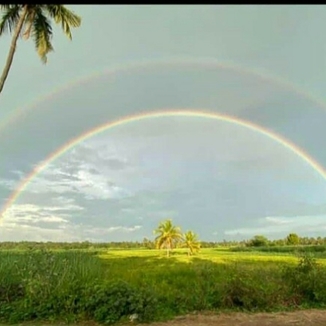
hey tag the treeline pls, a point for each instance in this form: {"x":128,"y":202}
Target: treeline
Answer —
{"x":84,"y":245}
{"x":291,"y":240}
{"x":257,"y":241}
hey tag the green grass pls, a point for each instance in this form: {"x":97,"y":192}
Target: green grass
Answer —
{"x":108,"y":286}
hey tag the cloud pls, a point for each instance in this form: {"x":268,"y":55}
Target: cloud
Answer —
{"x":116,"y":164}
{"x":94,"y":152}
{"x":204,"y":174}
{"x":25,"y":229}
{"x":104,"y":231}
{"x":30,"y":213}
{"x":88,"y":182}
{"x":56,"y":223}
{"x":278,"y":220}
{"x":9,"y":184}
{"x":26,"y":232}
{"x":282,"y":226}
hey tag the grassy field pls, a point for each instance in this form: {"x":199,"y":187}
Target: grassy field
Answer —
{"x":109,"y":286}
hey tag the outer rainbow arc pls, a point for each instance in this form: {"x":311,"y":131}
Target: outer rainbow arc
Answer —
{"x":160,"y":114}
{"x":184,"y":61}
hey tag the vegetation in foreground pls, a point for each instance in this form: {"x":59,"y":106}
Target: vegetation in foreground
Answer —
{"x":73,"y":286}
{"x":48,"y":283}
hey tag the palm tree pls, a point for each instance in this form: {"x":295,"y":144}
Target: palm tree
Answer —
{"x":35,"y":20}
{"x":168,"y":236}
{"x":190,"y":241}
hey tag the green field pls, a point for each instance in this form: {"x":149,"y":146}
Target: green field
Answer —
{"x":108,"y":286}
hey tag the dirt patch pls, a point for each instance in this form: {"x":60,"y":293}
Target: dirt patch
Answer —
{"x":297,"y":318}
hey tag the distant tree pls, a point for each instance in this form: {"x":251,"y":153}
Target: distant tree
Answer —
{"x":292,"y":239}
{"x":258,"y":241}
{"x":168,"y":236}
{"x":304,"y":241}
{"x":319,"y":240}
{"x":36,"y":19}
{"x":148,"y":243}
{"x":145,"y":242}
{"x":190,"y":241}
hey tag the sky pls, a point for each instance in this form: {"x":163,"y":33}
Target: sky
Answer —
{"x":259,"y":64}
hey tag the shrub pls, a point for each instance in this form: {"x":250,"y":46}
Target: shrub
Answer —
{"x":306,"y":282}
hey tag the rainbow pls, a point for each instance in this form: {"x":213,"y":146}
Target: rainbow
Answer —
{"x":204,"y":63}
{"x":160,"y":114}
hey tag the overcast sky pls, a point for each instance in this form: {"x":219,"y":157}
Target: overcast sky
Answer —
{"x":260,"y":64}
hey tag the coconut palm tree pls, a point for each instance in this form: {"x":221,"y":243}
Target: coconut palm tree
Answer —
{"x":168,"y":236}
{"x":35,"y":21}
{"x":190,"y":241}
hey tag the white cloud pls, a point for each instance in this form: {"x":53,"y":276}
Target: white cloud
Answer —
{"x":11,"y":231}
{"x":22,"y":214}
{"x":103,"y":231}
{"x":70,"y":176}
{"x":64,"y":231}
{"x":12,"y":184}
{"x":283,"y":225}
{"x":58,"y":223}
{"x":33,"y":219}
{"x":32,"y":208}
{"x":9,"y":184}
{"x":30,"y":213}
{"x":278,"y":220}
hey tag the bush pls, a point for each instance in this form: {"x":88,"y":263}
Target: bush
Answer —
{"x":109,"y":303}
{"x":252,"y":289}
{"x":258,"y":241}
{"x":306,"y":282}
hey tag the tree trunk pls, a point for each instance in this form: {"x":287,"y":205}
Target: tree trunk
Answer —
{"x":12,"y":49}
{"x":168,"y":248}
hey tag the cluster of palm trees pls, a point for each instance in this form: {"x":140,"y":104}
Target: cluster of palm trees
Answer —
{"x":170,"y":236}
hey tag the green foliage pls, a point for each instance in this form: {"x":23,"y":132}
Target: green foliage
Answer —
{"x":33,"y":20}
{"x":319,"y":250}
{"x":74,"y":286}
{"x":190,"y":241}
{"x":168,"y":237}
{"x":41,"y":284}
{"x":258,"y":241}
{"x":292,"y":239}
{"x":253,"y":289}
{"x":110,"y":302}
{"x":279,"y":245}
{"x":307,"y":281}
{"x":37,"y":23}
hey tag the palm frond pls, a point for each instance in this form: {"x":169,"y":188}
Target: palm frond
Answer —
{"x":6,"y":6}
{"x":161,"y":242}
{"x":42,"y":34}
{"x":9,"y":18}
{"x":190,"y":241}
{"x":65,"y":17}
{"x":168,"y":235}
{"x":29,"y":21}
